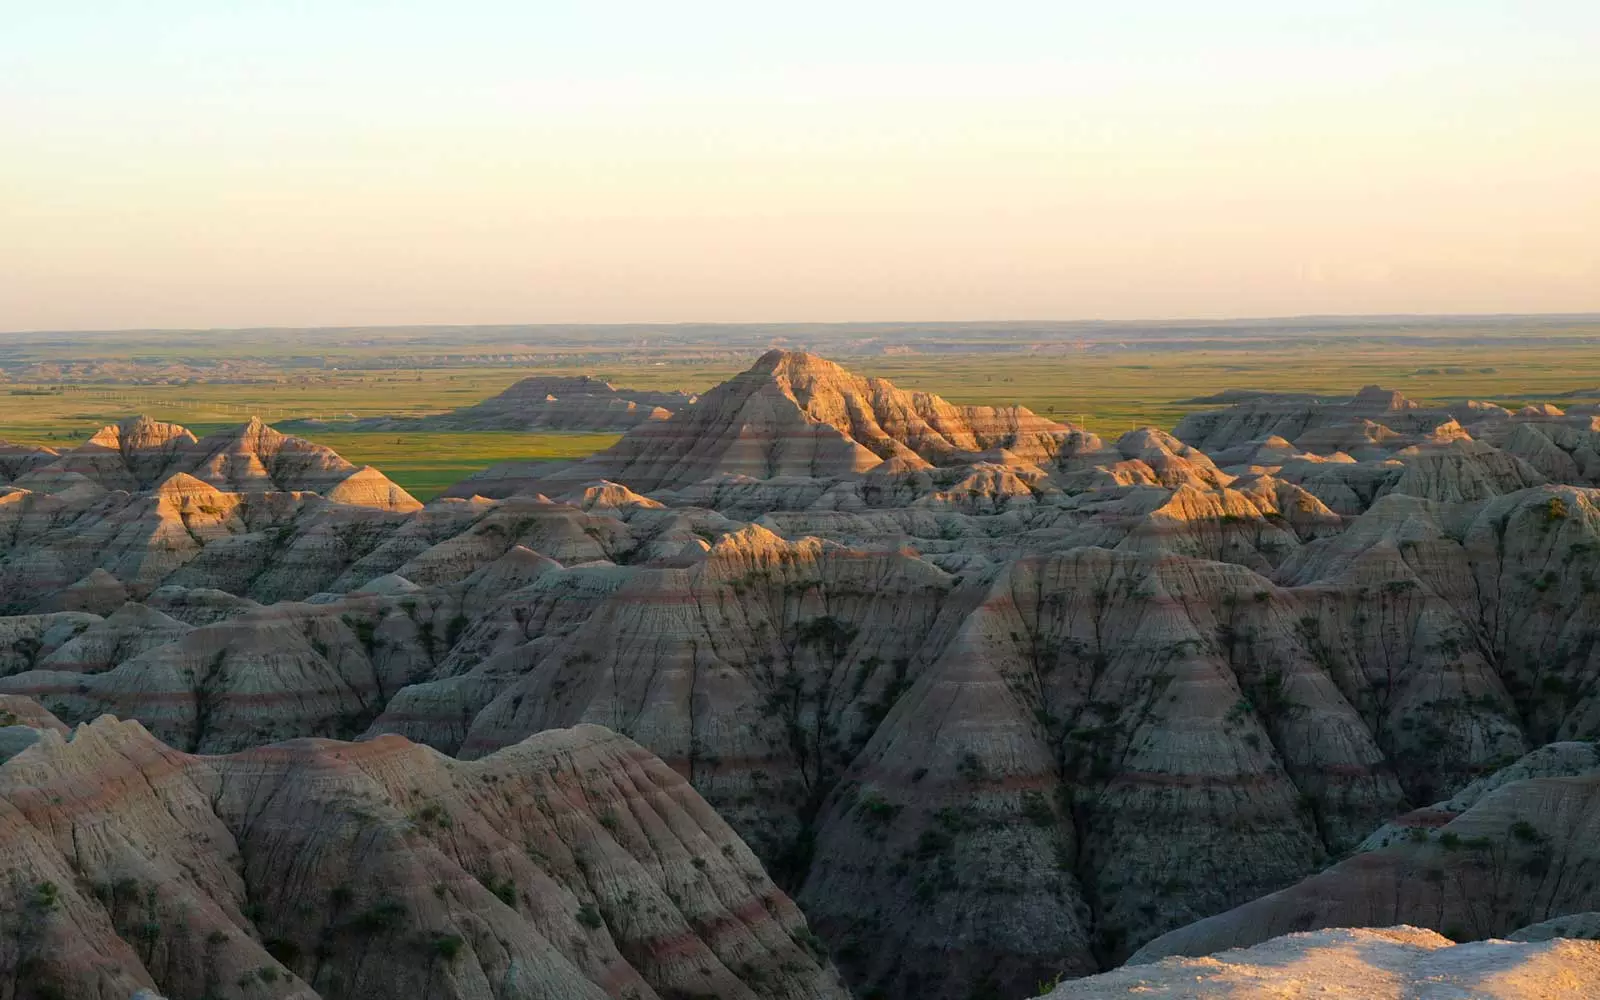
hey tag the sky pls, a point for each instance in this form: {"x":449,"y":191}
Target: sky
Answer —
{"x":200,"y":164}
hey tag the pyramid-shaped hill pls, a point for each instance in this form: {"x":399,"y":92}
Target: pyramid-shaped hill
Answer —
{"x":139,"y":454}
{"x":796,"y":414}
{"x":254,"y":457}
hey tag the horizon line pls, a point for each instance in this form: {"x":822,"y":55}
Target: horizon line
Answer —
{"x":1588,"y":316}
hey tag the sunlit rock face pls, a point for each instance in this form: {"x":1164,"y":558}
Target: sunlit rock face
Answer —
{"x":991,"y":698}
{"x":1391,"y":963}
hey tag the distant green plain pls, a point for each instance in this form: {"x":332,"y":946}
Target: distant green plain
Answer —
{"x":1109,"y":391}
{"x":427,"y":462}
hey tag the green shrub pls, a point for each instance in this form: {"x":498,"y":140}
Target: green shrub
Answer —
{"x":1526,"y":832}
{"x":875,"y":809}
{"x":447,"y":946}
{"x":384,"y":915}
{"x":46,"y":895}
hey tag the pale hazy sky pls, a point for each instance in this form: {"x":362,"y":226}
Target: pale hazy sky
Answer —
{"x":223,"y":163}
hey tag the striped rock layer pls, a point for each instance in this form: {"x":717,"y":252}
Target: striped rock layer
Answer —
{"x":573,"y":865}
{"x":992,"y":698}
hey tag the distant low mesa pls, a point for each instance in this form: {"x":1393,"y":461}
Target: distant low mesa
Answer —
{"x":539,"y":403}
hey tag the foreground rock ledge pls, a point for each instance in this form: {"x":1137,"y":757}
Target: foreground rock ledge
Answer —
{"x":1394,"y":963}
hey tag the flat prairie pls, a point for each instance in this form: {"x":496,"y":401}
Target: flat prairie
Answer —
{"x":57,"y":390}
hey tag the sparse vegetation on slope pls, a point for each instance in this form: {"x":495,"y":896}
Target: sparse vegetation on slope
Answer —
{"x":996,"y":698}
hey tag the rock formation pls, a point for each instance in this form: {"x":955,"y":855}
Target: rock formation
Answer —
{"x":1351,"y":451}
{"x":798,"y":414}
{"x":1394,"y":963}
{"x":1516,"y":848}
{"x":993,"y":699}
{"x":573,"y":865}
{"x":138,"y":454}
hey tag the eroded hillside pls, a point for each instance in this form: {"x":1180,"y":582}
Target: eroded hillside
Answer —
{"x":574,"y":864}
{"x":995,"y":699}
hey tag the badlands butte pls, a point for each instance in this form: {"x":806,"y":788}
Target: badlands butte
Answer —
{"x":810,"y":686}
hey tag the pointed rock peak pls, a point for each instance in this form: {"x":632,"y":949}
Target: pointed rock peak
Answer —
{"x":98,"y":593}
{"x":98,"y":577}
{"x":793,"y":414}
{"x":109,"y":436}
{"x":1449,"y":431}
{"x":518,"y":567}
{"x":133,"y":615}
{"x":799,"y":374}
{"x":606,"y":495}
{"x":254,"y":435}
{"x":367,"y":487}
{"x":520,"y":556}
{"x":181,"y":486}
{"x":1147,"y":439}
{"x":368,"y":474}
{"x":750,"y":540}
{"x":792,"y":363}
{"x":692,"y":551}
{"x":254,"y":438}
{"x":107,"y":733}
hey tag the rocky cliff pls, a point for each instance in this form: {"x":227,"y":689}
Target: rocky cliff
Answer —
{"x":994,"y":699}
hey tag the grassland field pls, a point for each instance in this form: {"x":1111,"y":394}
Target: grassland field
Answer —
{"x":1110,"y":392}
